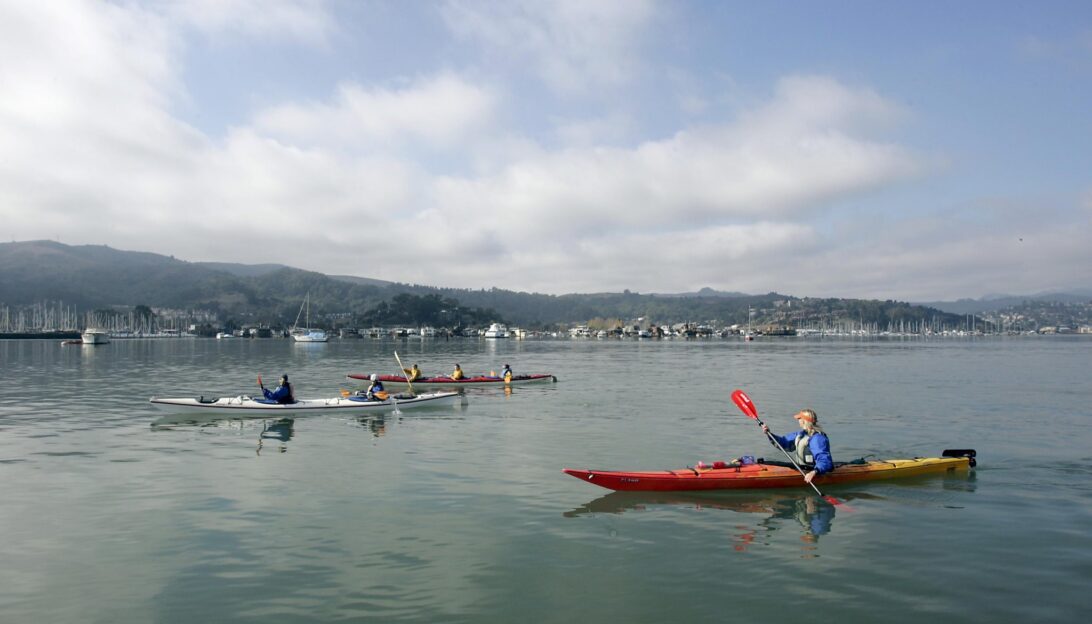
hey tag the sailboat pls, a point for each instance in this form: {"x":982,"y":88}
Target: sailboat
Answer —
{"x":305,"y":333}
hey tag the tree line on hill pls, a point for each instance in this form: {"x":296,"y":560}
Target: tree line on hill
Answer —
{"x":93,"y":277}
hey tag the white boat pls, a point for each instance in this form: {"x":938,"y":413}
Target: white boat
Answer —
{"x":305,"y":334}
{"x":93,"y":336}
{"x":496,"y":330}
{"x":313,"y":335}
{"x":257,"y":407}
{"x":222,"y":335}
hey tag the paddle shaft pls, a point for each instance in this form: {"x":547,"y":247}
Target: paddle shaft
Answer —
{"x":407,"y":375}
{"x":790,"y":458}
{"x":748,"y":407}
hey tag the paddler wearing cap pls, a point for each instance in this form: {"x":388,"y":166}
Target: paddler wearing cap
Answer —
{"x":811,"y":444}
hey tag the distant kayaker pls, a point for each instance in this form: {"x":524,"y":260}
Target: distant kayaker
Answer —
{"x":457,"y":373}
{"x":283,"y":393}
{"x":412,"y":374}
{"x":375,"y":386}
{"x":811,"y":445}
{"x":506,"y":373}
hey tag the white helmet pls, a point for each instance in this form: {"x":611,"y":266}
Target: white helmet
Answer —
{"x":374,"y":377}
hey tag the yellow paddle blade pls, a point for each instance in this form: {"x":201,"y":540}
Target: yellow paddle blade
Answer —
{"x":345,"y":392}
{"x":381,"y":395}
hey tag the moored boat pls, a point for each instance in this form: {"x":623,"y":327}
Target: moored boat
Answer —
{"x":768,"y":475}
{"x":307,"y":333}
{"x":254,"y":407}
{"x":399,"y":381}
{"x":92,"y":336}
{"x":313,"y":335}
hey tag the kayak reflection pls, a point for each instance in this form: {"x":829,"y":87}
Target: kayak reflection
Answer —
{"x":377,"y":425}
{"x":808,"y":513}
{"x":281,"y":429}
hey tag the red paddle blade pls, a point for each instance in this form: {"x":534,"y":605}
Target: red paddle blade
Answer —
{"x":744,"y":403}
{"x":840,"y":504}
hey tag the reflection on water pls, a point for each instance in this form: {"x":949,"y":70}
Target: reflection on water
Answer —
{"x":377,"y":425}
{"x":281,"y":429}
{"x":805,"y":515}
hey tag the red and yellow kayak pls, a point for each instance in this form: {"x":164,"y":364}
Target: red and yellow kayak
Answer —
{"x":399,"y":381}
{"x":760,"y":476}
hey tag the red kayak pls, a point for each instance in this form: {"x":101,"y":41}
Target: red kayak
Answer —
{"x":758,"y":476}
{"x":447,"y":382}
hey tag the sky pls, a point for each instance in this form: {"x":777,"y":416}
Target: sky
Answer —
{"x":912,"y":151}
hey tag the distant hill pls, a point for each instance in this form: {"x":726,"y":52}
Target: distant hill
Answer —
{"x":365,"y":281}
{"x":707,"y":292}
{"x":993,"y":303}
{"x":93,"y":275}
{"x":243,"y":270}
{"x":96,"y":276}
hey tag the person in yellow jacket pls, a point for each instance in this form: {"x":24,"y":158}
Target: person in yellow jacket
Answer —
{"x":507,"y":373}
{"x":412,"y":374}
{"x":457,"y":373}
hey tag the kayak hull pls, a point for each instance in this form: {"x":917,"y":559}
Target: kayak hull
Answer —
{"x":250,"y":407}
{"x":765,"y":476}
{"x":482,"y":381}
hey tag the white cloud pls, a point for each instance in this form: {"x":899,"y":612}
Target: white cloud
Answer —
{"x":779,"y":161}
{"x":436,"y":112}
{"x":424,"y":182}
{"x":574,"y":45}
{"x":306,"y":21}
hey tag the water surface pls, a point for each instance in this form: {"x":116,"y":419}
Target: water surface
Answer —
{"x":462,"y":514}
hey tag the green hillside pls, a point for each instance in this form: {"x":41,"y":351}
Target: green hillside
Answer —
{"x":99,"y":277}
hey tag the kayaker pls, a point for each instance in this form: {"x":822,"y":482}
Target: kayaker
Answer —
{"x":375,"y":386}
{"x":506,"y":373}
{"x":811,"y":445}
{"x":457,"y":373}
{"x":283,"y":393}
{"x":412,"y":374}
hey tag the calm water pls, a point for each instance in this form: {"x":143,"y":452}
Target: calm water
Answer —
{"x":462,"y":514}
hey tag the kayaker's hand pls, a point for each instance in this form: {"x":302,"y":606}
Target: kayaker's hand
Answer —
{"x":765,"y":429}
{"x":811,"y":475}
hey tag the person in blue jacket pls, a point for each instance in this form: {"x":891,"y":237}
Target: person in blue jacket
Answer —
{"x":375,"y":386}
{"x":810,"y":445}
{"x":283,"y":393}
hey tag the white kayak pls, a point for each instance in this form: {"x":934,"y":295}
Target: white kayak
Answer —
{"x":254,"y":407}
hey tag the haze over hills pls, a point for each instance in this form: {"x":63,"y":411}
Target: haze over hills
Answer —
{"x":992,"y":303}
{"x":93,"y":276}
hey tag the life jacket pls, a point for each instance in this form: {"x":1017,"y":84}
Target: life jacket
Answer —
{"x":377,"y":386}
{"x":458,"y":374}
{"x":803,"y":449}
{"x":288,"y":397}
